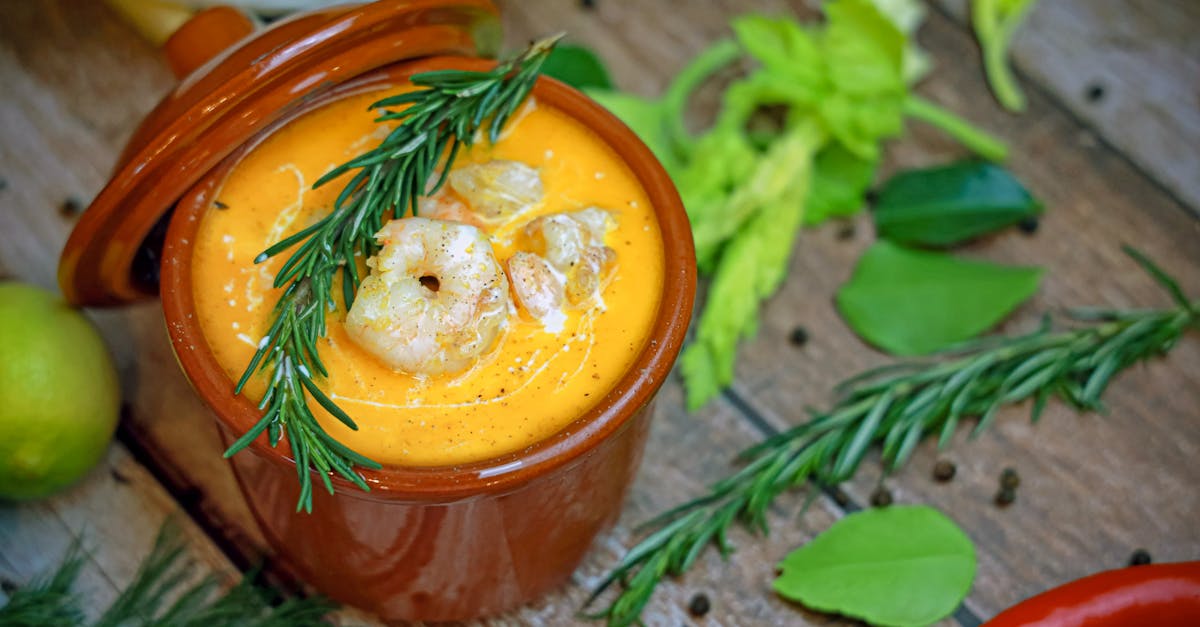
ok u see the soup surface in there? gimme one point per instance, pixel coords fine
(536, 377)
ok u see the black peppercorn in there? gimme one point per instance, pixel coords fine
(1140, 557)
(1005, 497)
(1028, 226)
(71, 207)
(699, 605)
(798, 336)
(881, 497)
(1010, 479)
(944, 470)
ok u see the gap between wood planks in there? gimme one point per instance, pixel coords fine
(841, 502)
(1057, 100)
(245, 555)
(241, 551)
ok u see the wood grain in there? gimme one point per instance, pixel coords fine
(1130, 70)
(115, 514)
(1094, 487)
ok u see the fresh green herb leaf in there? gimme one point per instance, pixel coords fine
(978, 141)
(690, 78)
(864, 49)
(907, 16)
(775, 177)
(860, 124)
(949, 205)
(845, 79)
(787, 51)
(47, 601)
(644, 117)
(917, 400)
(910, 302)
(751, 265)
(894, 566)
(994, 22)
(659, 123)
(451, 108)
(161, 593)
(839, 184)
(577, 66)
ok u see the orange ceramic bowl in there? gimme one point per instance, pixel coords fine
(457, 542)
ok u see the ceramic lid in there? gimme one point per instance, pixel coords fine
(111, 257)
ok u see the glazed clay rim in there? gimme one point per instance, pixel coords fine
(495, 475)
(224, 104)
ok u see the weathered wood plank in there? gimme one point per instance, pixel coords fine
(1095, 487)
(115, 514)
(170, 427)
(58, 141)
(1131, 70)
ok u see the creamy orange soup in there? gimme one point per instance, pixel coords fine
(529, 385)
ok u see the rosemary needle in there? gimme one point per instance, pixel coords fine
(895, 407)
(444, 113)
(165, 591)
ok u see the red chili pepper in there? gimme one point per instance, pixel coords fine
(1161, 595)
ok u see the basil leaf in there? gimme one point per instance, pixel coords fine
(839, 184)
(910, 302)
(896, 566)
(949, 205)
(576, 66)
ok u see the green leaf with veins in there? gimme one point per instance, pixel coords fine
(949, 205)
(839, 183)
(897, 566)
(911, 302)
(577, 66)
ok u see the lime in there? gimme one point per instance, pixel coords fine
(59, 393)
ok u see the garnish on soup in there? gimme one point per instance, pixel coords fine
(507, 309)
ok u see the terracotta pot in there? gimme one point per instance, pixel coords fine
(441, 543)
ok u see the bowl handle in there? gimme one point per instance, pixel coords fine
(203, 37)
(188, 39)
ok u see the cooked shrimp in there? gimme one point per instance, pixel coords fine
(537, 287)
(497, 190)
(436, 298)
(570, 248)
(587, 277)
(446, 206)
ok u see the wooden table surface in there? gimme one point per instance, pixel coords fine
(1109, 141)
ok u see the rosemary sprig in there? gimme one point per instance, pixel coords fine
(895, 407)
(444, 113)
(158, 595)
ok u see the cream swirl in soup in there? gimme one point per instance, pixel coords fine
(553, 325)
